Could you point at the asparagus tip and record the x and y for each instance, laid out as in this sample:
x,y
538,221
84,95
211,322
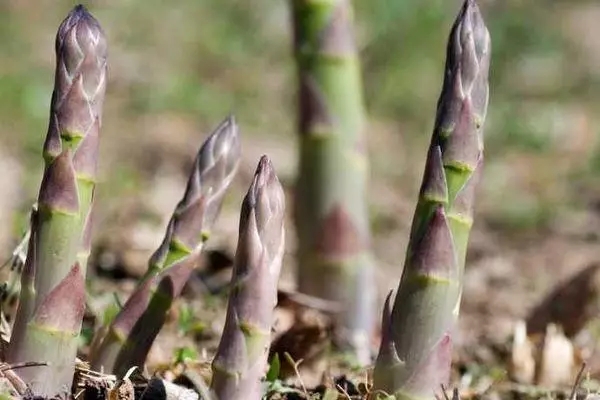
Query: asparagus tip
x,y
230,120
78,15
79,9
265,173
228,129
471,21
224,142
265,178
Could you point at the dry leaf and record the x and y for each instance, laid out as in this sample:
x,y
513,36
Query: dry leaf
x,y
571,304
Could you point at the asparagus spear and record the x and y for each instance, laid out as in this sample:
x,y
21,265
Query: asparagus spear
x,y
242,354
415,352
334,257
131,333
214,169
53,300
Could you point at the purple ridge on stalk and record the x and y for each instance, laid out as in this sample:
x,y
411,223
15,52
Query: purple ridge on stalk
x,y
416,347
67,299
58,190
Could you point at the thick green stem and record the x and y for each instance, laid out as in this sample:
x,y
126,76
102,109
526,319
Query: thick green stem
x,y
416,347
415,353
49,318
331,214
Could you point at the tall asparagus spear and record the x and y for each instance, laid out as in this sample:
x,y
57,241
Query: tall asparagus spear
x,y
53,300
242,354
415,353
331,215
133,330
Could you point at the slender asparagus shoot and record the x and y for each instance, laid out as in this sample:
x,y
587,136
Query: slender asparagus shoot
x,y
415,353
53,300
132,332
331,214
214,169
241,358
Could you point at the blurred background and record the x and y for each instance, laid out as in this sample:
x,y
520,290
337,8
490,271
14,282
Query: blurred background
x,y
176,69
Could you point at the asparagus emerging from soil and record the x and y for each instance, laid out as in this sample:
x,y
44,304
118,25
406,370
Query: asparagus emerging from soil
x,y
134,329
415,352
242,354
334,258
53,297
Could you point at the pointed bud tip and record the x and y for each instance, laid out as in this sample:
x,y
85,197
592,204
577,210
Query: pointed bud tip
x,y
79,15
231,121
471,19
79,9
263,209
265,179
265,172
225,141
470,6
227,127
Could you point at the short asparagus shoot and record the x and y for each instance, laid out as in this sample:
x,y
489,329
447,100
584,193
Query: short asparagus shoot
x,y
131,334
241,359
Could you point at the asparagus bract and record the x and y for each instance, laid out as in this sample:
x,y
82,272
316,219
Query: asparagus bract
x,y
53,300
134,329
242,355
331,215
415,353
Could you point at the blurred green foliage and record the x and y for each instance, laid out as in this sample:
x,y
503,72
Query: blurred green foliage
x,y
203,59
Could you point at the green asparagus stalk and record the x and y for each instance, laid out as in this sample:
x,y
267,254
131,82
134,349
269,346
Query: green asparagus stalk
x,y
242,355
416,348
416,345
53,300
132,332
331,215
